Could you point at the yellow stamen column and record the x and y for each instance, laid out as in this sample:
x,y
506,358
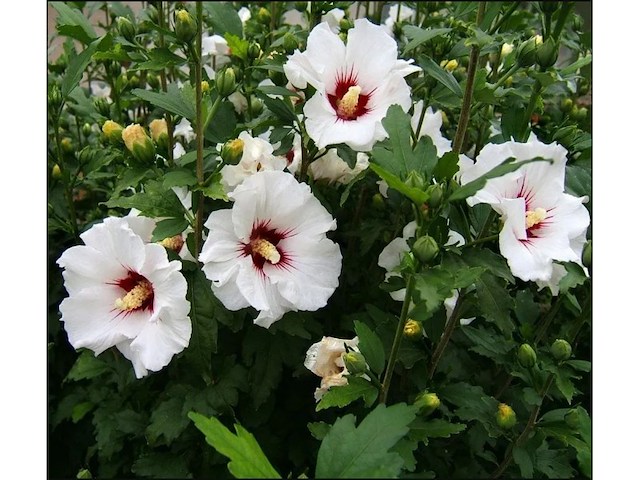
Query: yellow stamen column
x,y
266,249
348,104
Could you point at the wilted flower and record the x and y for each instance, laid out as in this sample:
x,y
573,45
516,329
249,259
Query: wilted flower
x,y
324,358
125,293
354,88
541,222
270,250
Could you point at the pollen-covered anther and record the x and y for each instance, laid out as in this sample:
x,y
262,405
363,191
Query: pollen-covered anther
x,y
174,243
348,104
265,249
536,216
136,296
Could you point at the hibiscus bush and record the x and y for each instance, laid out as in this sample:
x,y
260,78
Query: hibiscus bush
x,y
319,239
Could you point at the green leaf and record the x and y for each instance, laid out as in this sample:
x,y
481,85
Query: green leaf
x,y
577,65
433,287
160,58
487,343
508,166
223,124
522,458
553,463
161,465
225,18
435,71
363,452
76,67
341,396
239,47
582,365
204,335
417,36
319,430
435,428
80,410
446,167
473,405
414,194
155,202
370,346
280,108
214,189
169,227
71,17
574,277
495,302
179,178
172,100
275,90
87,366
247,460
167,420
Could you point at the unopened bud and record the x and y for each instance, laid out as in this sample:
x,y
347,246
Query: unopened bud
x,y
153,80
526,53
449,65
586,254
159,132
290,42
345,24
232,151
126,28
54,98
83,473
355,362
254,51
415,180
102,106
86,129
256,106
205,86
377,201
435,195
561,350
138,143
185,26
505,417
67,145
412,330
572,418
506,49
263,16
113,131
425,249
225,82
426,402
566,105
547,53
526,355
55,171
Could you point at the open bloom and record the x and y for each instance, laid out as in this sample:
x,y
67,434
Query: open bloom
x,y
270,250
125,293
431,124
332,168
355,84
541,222
324,358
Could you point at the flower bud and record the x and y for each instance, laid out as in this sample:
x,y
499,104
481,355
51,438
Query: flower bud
x,y
138,143
415,180
153,80
205,86
113,131
572,418
426,402
225,82
185,26
505,417
526,53
377,201
84,474
435,195
526,355
55,171
159,132
254,51
355,362
67,145
566,105
54,98
345,24
547,53
449,65
290,42
263,16
256,106
561,350
86,129
506,49
232,151
425,249
126,28
412,330
102,106
586,254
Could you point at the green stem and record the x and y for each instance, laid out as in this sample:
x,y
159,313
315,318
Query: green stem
x,y
393,356
68,189
562,18
490,238
446,335
504,17
163,81
197,60
465,113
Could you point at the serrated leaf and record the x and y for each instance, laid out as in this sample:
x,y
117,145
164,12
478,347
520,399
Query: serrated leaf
x,y
417,36
443,77
435,428
160,58
281,108
87,366
167,420
268,353
364,451
341,396
446,167
161,465
574,277
204,335
224,17
172,101
433,287
414,194
487,343
565,385
223,124
154,202
168,228
473,405
370,346
575,66
247,460
582,365
179,178
68,16
80,410
76,67
523,459
495,302
553,463
238,46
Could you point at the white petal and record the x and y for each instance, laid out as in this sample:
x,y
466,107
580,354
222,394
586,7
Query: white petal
x,y
392,254
86,267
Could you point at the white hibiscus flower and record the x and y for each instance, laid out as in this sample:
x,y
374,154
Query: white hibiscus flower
x,y
125,293
405,13
185,130
541,222
431,124
332,168
324,358
355,84
270,250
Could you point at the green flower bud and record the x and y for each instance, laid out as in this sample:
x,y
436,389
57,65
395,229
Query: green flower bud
x,y
153,80
102,106
264,16
225,82
412,330
505,417
583,86
579,114
133,81
586,254
435,195
232,151
355,362
86,129
290,42
426,402
425,249
112,131
56,172
160,132
572,418
345,24
561,350
185,26
547,53
67,145
83,473
377,201
527,355
126,28
415,180
138,143
256,106
526,53
566,105
54,98
254,51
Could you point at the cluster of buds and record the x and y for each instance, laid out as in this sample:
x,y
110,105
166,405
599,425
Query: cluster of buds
x,y
535,50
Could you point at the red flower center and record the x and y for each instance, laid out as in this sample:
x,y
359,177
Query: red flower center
x,y
348,99
138,293
264,246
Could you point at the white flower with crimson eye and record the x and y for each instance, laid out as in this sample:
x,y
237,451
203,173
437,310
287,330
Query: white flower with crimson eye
x,y
125,293
541,222
270,250
324,358
355,84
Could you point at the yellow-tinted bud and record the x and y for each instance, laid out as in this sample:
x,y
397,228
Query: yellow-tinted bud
x,y
505,417
186,26
55,171
67,145
412,330
232,151
138,143
355,362
205,86
263,16
506,49
157,128
449,65
113,131
427,402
